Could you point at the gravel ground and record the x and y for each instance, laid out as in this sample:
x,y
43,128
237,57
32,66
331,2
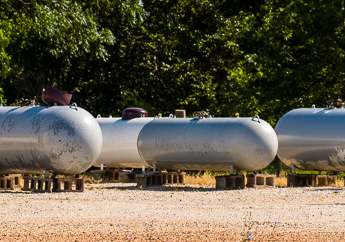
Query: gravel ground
x,y
122,212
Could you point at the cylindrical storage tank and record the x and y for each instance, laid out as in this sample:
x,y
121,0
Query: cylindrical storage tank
x,y
208,144
120,142
61,139
312,139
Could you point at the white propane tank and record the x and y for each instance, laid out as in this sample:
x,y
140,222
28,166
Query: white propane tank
x,y
120,142
248,144
312,139
62,139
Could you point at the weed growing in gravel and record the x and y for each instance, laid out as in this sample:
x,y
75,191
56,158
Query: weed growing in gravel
x,y
198,179
247,235
91,180
67,198
150,238
91,187
274,228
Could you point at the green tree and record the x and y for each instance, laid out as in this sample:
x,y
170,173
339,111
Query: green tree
x,y
46,36
298,50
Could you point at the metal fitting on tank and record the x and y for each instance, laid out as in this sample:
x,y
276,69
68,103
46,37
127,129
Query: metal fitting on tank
x,y
256,116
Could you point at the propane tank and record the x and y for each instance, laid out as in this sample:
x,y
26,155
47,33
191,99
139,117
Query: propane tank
x,y
60,139
120,142
248,144
312,139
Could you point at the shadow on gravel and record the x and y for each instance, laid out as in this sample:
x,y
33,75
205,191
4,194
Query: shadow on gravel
x,y
14,192
184,188
328,204
318,189
23,192
195,188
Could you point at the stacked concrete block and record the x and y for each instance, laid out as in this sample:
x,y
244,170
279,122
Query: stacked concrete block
x,y
128,176
18,180
301,180
260,180
173,178
326,180
37,184
230,182
310,180
68,185
144,180
159,179
97,174
6,183
114,176
111,175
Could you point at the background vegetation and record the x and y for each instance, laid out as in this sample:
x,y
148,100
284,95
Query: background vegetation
x,y
261,57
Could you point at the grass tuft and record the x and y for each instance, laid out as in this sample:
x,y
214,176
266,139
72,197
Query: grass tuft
x,y
198,179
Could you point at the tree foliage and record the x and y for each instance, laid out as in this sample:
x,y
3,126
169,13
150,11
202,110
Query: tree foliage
x,y
253,57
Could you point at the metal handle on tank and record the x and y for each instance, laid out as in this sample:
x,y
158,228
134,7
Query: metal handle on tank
x,y
256,116
74,105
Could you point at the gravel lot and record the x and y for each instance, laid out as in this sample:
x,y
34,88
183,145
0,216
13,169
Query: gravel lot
x,y
122,212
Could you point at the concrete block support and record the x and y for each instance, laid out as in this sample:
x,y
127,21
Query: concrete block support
x,y
311,180
325,180
159,179
111,175
68,185
37,184
18,180
97,174
230,182
301,180
260,180
114,176
128,176
143,180
173,178
6,183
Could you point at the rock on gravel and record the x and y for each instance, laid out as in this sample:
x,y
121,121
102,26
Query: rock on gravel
x,y
122,212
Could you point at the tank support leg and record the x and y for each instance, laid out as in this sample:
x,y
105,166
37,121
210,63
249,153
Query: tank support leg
x,y
154,167
292,168
101,167
46,174
278,166
231,169
143,168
